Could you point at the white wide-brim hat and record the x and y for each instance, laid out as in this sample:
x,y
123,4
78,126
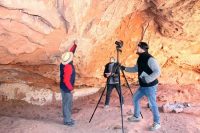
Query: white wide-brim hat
x,y
67,58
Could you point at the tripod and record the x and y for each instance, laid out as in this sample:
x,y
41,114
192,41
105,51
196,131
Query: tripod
x,y
117,69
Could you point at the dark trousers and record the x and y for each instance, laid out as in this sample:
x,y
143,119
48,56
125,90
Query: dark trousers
x,y
110,87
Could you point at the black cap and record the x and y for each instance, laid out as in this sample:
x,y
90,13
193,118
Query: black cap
x,y
143,45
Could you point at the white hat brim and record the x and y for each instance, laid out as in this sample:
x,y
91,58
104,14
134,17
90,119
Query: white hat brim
x,y
64,62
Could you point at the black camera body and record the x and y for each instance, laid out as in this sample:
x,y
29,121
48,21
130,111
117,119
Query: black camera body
x,y
119,44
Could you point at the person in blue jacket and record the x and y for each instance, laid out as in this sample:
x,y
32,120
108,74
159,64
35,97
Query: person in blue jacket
x,y
67,80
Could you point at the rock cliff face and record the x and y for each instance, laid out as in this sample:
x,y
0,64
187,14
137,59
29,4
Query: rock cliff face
x,y
34,33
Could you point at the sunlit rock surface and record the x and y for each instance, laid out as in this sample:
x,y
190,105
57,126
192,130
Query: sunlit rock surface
x,y
34,33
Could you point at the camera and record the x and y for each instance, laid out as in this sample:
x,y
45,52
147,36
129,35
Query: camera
x,y
119,44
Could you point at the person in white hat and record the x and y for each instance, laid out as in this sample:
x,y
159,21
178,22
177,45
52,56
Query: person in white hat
x,y
67,80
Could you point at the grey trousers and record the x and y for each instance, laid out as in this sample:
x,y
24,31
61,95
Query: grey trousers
x,y
66,106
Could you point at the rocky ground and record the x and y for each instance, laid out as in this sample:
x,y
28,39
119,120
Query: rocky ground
x,y
35,33
20,117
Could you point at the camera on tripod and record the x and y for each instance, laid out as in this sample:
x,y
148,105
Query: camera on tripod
x,y
119,44
115,74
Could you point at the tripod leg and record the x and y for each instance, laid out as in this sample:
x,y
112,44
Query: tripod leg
x,y
120,96
97,104
127,82
129,87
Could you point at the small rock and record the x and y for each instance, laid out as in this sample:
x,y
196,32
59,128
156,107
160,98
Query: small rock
x,y
174,107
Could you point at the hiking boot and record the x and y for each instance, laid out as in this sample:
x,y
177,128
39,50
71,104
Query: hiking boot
x,y
106,106
71,123
134,119
72,120
155,126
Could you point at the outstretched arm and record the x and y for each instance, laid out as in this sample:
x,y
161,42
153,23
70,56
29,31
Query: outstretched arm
x,y
132,69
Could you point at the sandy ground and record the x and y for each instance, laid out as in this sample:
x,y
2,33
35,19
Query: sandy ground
x,y
20,117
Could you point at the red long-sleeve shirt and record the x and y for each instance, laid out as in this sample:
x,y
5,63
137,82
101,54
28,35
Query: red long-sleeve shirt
x,y
67,76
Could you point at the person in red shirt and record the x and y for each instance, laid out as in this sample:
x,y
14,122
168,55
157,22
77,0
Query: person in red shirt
x,y
67,80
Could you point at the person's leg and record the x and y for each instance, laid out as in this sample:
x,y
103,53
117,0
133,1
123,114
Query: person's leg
x,y
150,92
119,91
108,93
149,104
70,106
67,108
136,99
63,103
